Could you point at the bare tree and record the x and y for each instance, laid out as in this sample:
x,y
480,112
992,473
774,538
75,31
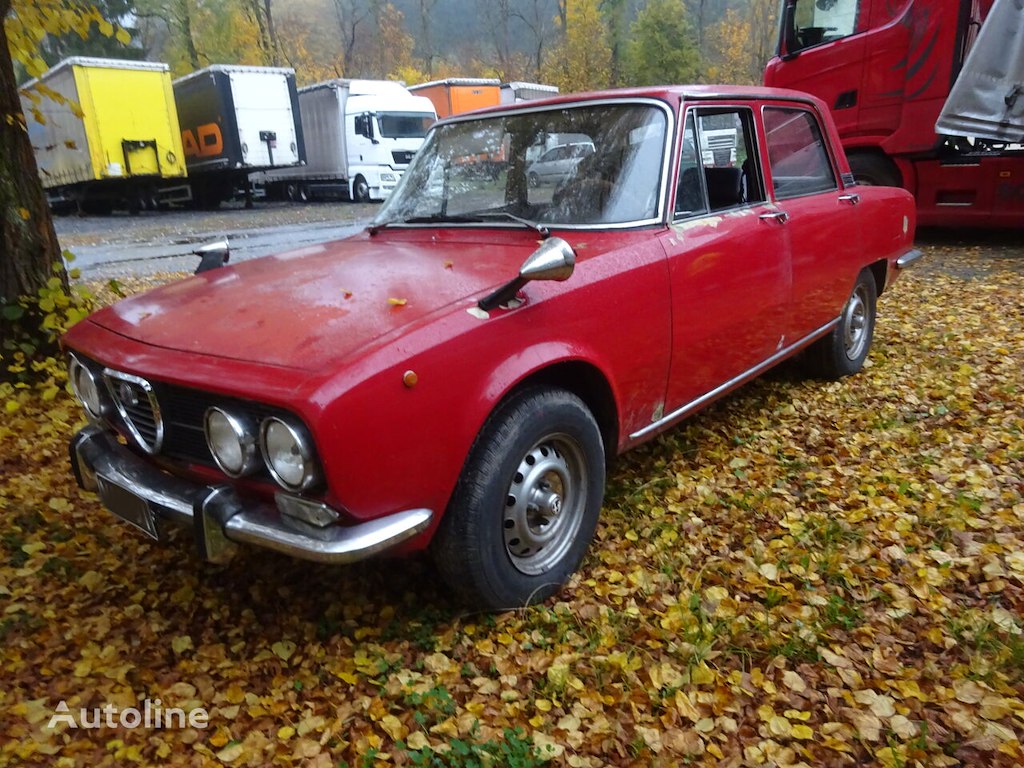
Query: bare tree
x,y
536,18
350,14
426,39
499,16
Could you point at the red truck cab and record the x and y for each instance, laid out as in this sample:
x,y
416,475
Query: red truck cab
x,y
885,69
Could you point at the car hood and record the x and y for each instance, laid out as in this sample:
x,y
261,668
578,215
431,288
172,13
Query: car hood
x,y
309,308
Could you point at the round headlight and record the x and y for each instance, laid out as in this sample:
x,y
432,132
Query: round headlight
x,y
288,453
85,387
232,441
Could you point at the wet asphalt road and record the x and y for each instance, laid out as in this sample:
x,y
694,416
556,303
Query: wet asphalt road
x,y
120,245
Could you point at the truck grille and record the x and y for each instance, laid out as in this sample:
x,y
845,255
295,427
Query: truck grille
x,y
402,157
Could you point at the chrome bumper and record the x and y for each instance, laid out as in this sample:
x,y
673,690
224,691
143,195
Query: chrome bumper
x,y
908,258
143,495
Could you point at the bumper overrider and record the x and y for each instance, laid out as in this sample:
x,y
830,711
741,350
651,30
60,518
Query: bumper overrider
x,y
148,498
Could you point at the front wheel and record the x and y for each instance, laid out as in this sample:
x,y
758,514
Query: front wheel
x,y
527,504
360,190
846,347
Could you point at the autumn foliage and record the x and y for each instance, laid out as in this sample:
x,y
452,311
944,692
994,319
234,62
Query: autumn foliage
x,y
816,574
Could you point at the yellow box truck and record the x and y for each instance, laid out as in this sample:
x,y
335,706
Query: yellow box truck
x,y
113,140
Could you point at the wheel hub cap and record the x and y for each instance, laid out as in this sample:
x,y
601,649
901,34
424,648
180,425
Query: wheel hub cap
x,y
543,506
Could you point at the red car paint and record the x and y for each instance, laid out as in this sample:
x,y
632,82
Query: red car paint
x,y
656,319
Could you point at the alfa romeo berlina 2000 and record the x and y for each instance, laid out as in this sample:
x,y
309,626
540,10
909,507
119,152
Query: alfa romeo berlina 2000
x,y
457,376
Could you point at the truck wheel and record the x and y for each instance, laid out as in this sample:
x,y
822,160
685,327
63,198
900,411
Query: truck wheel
x,y
874,170
525,509
845,349
360,190
291,191
303,193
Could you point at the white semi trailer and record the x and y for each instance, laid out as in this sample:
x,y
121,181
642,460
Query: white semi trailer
x,y
360,136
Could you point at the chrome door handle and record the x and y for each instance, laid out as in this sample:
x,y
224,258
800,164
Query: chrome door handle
x,y
852,198
780,216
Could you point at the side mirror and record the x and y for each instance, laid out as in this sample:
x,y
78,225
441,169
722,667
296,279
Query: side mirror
x,y
789,46
212,256
553,260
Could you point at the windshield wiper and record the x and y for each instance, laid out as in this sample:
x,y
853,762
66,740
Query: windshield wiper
x,y
442,218
433,218
541,229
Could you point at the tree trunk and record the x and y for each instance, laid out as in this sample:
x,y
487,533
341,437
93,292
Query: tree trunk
x,y
28,245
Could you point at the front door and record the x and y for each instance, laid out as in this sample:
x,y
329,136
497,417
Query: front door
x,y
728,261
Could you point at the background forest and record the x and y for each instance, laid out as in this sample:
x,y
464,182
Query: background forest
x,y
574,44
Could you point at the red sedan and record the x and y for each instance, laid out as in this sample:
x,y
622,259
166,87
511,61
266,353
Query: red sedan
x,y
456,376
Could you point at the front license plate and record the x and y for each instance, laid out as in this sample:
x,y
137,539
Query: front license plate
x,y
128,506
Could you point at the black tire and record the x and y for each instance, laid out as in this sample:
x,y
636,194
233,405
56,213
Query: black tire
x,y
291,191
874,170
360,190
526,506
843,351
302,194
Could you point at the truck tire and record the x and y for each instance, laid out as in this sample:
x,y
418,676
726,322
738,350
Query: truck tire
x,y
874,170
360,190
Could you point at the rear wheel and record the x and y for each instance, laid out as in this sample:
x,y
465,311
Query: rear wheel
x,y
874,170
526,507
845,349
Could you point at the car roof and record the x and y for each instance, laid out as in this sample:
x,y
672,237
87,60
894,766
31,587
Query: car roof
x,y
669,93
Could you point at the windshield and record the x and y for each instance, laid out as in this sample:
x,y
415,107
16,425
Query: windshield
x,y
404,125
591,164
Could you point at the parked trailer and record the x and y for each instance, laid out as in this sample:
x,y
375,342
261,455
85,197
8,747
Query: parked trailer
x,y
360,136
512,93
236,120
460,94
113,139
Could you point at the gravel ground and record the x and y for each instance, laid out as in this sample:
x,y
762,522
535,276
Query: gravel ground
x,y
156,226
122,246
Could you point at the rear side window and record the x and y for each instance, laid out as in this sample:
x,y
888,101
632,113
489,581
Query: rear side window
x,y
797,154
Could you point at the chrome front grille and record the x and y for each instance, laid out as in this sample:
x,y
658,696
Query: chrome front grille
x,y
136,402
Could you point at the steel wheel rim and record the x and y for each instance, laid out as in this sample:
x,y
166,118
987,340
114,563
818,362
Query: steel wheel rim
x,y
545,504
855,323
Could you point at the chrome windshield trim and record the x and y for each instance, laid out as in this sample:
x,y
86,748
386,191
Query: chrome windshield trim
x,y
692,406
664,184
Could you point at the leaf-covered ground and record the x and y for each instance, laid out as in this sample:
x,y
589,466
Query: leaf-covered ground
x,y
807,573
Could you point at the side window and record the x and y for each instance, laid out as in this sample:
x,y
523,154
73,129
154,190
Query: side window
x,y
822,21
719,159
796,153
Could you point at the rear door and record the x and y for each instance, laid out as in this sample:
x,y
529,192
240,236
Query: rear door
x,y
821,222
728,261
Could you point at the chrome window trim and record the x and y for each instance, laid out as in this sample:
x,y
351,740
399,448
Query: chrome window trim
x,y
109,376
